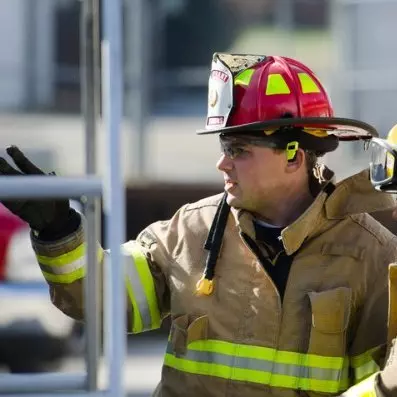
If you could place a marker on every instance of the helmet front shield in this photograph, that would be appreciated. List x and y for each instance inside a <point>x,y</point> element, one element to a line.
<point>224,68</point>
<point>383,165</point>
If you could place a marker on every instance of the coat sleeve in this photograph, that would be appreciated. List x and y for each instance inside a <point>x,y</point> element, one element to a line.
<point>371,329</point>
<point>379,384</point>
<point>145,263</point>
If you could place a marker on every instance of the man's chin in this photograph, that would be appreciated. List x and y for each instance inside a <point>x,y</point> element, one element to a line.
<point>233,201</point>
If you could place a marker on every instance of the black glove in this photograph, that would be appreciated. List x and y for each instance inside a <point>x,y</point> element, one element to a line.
<point>51,218</point>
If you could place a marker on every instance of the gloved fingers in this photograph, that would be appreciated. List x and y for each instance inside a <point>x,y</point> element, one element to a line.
<point>23,163</point>
<point>6,169</point>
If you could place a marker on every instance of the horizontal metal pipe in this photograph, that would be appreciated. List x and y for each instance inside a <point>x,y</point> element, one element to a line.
<point>73,394</point>
<point>37,383</point>
<point>42,186</point>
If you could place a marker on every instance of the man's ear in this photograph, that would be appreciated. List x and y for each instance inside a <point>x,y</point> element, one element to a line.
<point>297,162</point>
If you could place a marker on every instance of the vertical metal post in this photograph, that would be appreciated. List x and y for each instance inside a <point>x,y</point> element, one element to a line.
<point>90,88</point>
<point>137,66</point>
<point>92,296</point>
<point>112,100</point>
<point>90,77</point>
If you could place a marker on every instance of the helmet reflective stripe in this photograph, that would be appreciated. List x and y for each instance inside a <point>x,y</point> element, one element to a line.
<point>140,288</point>
<point>308,85</point>
<point>262,365</point>
<point>244,77</point>
<point>276,85</point>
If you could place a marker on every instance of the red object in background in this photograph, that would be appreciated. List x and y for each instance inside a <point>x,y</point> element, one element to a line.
<point>9,224</point>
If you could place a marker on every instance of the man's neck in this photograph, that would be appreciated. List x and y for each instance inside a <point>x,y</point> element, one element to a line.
<point>287,209</point>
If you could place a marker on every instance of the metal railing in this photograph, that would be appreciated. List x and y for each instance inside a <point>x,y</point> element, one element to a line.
<point>86,384</point>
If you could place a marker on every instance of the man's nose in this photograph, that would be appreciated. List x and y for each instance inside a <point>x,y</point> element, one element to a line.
<point>224,163</point>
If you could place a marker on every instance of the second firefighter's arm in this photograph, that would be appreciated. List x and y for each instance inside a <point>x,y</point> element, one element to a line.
<point>380,384</point>
<point>373,380</point>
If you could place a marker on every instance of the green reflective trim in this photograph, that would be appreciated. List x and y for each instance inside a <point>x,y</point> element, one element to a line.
<point>244,77</point>
<point>363,358</point>
<point>364,365</point>
<point>137,294</point>
<point>141,289</point>
<point>65,269</point>
<point>64,259</point>
<point>137,326</point>
<point>308,85</point>
<point>262,365</point>
<point>266,377</point>
<point>276,85</point>
<point>365,370</point>
<point>146,278</point>
<point>267,353</point>
<point>65,278</point>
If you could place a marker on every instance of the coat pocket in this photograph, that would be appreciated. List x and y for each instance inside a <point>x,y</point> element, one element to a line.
<point>330,320</point>
<point>185,331</point>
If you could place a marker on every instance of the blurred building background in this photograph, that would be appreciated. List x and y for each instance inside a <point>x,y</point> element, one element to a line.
<point>168,45</point>
<point>167,53</point>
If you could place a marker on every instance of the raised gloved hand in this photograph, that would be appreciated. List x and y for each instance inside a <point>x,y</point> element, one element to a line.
<point>48,216</point>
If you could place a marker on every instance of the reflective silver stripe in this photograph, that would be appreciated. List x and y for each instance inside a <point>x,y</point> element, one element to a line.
<point>64,269</point>
<point>365,370</point>
<point>264,365</point>
<point>138,290</point>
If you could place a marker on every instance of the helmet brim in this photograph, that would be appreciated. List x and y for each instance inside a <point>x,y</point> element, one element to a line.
<point>344,129</point>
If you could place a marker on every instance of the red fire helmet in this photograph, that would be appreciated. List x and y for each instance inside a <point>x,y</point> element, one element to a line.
<point>255,92</point>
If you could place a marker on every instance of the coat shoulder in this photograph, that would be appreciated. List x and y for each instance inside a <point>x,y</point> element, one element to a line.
<point>207,202</point>
<point>374,228</point>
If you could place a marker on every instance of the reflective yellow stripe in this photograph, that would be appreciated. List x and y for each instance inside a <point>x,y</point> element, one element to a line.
<point>64,259</point>
<point>146,278</point>
<point>364,365</point>
<point>137,326</point>
<point>66,268</point>
<point>244,77</point>
<point>267,353</point>
<point>308,85</point>
<point>365,370</point>
<point>141,289</point>
<point>362,389</point>
<point>262,365</point>
<point>65,278</point>
<point>276,85</point>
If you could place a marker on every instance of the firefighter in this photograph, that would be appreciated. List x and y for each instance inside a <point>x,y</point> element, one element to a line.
<point>278,285</point>
<point>383,174</point>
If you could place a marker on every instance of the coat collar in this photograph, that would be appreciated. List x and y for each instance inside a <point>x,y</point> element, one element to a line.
<point>353,195</point>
